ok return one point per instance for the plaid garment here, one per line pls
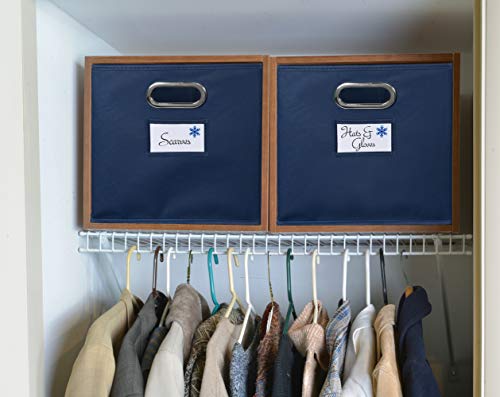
(193, 374)
(337, 332)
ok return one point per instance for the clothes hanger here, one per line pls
(129, 256)
(270, 316)
(346, 259)
(190, 261)
(367, 277)
(315, 261)
(234, 296)
(167, 290)
(250, 308)
(409, 287)
(291, 306)
(211, 278)
(382, 274)
(158, 252)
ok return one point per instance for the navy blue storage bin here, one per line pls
(176, 143)
(362, 143)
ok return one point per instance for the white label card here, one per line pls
(176, 138)
(364, 138)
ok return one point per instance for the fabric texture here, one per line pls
(215, 381)
(193, 374)
(94, 368)
(337, 332)
(187, 311)
(128, 380)
(268, 349)
(309, 340)
(360, 356)
(416, 373)
(154, 342)
(243, 366)
(288, 370)
(386, 375)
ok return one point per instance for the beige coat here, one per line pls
(385, 377)
(94, 368)
(215, 381)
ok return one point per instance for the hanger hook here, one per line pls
(159, 252)
(129, 256)
(382, 275)
(170, 251)
(346, 259)
(315, 261)
(190, 261)
(211, 256)
(291, 306)
(234, 295)
(367, 277)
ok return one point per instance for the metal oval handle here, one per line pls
(383, 105)
(176, 105)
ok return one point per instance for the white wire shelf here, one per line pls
(277, 244)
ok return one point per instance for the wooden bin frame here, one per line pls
(87, 139)
(453, 58)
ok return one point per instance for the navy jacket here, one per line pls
(417, 377)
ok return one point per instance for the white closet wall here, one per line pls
(79, 287)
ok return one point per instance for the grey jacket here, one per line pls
(128, 381)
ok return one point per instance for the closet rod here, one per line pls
(277, 244)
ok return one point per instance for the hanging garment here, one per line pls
(193, 374)
(337, 332)
(94, 368)
(215, 381)
(309, 339)
(385, 377)
(268, 349)
(360, 356)
(154, 342)
(243, 366)
(288, 370)
(417, 377)
(187, 311)
(128, 379)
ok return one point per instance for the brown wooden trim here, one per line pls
(176, 59)
(172, 226)
(264, 207)
(355, 59)
(366, 59)
(456, 145)
(87, 146)
(273, 158)
(87, 139)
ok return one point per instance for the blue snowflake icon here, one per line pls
(381, 131)
(194, 131)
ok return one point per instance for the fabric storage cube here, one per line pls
(176, 143)
(365, 143)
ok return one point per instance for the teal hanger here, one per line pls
(291, 306)
(211, 277)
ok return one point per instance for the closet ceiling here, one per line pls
(277, 26)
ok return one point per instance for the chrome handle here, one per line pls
(383, 105)
(176, 105)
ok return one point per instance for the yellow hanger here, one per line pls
(234, 296)
(129, 256)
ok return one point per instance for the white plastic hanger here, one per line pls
(235, 298)
(367, 277)
(169, 253)
(129, 256)
(346, 259)
(247, 298)
(315, 261)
